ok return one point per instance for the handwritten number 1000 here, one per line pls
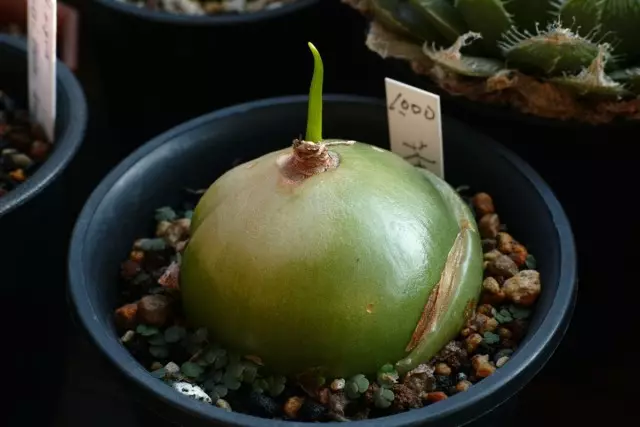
(405, 107)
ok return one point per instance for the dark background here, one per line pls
(592, 377)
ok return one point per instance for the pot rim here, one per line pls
(488, 394)
(204, 20)
(68, 140)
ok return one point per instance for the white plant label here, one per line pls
(42, 27)
(415, 126)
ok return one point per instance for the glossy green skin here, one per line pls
(330, 274)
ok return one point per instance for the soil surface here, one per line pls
(153, 328)
(23, 146)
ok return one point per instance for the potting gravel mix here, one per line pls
(23, 145)
(153, 328)
(208, 7)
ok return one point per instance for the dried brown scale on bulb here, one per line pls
(208, 7)
(152, 326)
(23, 145)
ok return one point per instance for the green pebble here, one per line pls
(530, 262)
(383, 397)
(159, 373)
(157, 340)
(159, 351)
(165, 213)
(519, 312)
(491, 338)
(140, 278)
(174, 334)
(147, 331)
(191, 370)
(151, 245)
(199, 335)
(249, 374)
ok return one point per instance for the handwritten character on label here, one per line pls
(415, 109)
(418, 155)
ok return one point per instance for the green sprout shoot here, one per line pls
(314, 115)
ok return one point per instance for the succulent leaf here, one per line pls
(487, 17)
(592, 80)
(622, 18)
(444, 17)
(555, 50)
(404, 19)
(528, 14)
(629, 76)
(452, 60)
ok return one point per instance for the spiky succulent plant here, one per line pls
(567, 59)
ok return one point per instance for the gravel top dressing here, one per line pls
(208, 7)
(153, 328)
(23, 146)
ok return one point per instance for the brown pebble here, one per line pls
(472, 342)
(323, 396)
(519, 254)
(177, 231)
(508, 343)
(518, 328)
(292, 406)
(523, 288)
(483, 204)
(18, 175)
(156, 365)
(504, 333)
(129, 269)
(505, 243)
(405, 398)
(136, 256)
(420, 379)
(493, 299)
(162, 228)
(171, 276)
(489, 226)
(486, 309)
(503, 266)
(443, 369)
(488, 245)
(154, 310)
(483, 323)
(500, 363)
(39, 150)
(126, 316)
(435, 396)
(482, 366)
(466, 332)
(453, 354)
(463, 386)
(492, 255)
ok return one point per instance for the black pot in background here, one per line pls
(32, 254)
(196, 153)
(159, 69)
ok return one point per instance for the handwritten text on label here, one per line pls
(415, 128)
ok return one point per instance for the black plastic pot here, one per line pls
(32, 256)
(197, 152)
(160, 69)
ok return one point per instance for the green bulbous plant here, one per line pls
(331, 258)
(577, 59)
